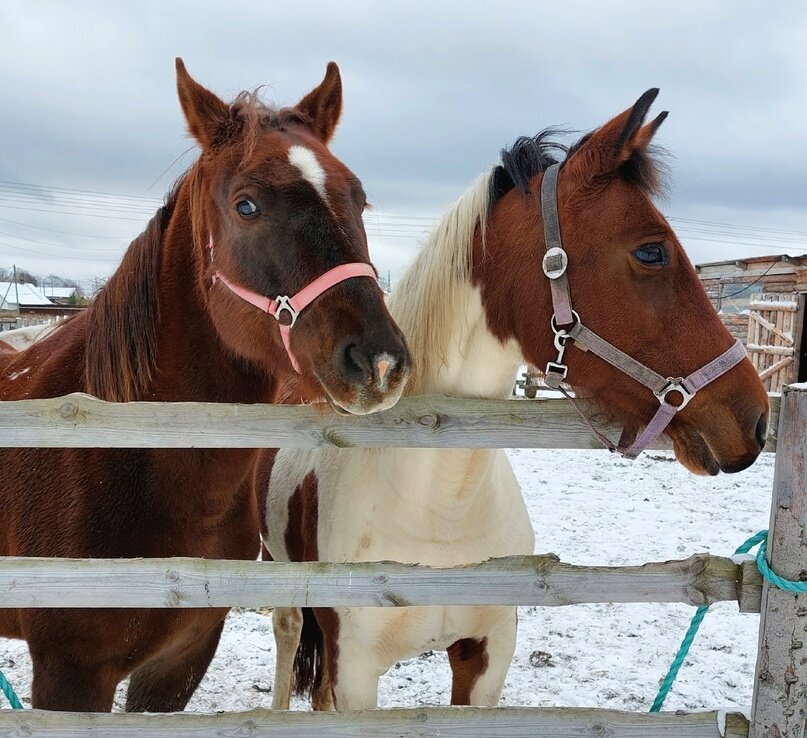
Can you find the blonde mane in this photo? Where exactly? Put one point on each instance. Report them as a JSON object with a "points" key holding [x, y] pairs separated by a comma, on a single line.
{"points": [[427, 302]]}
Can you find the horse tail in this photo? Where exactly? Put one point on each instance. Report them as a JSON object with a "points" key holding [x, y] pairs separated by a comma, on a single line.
{"points": [[308, 659]]}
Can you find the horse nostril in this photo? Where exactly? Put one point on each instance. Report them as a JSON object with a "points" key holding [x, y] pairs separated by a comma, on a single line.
{"points": [[355, 363], [762, 430]]}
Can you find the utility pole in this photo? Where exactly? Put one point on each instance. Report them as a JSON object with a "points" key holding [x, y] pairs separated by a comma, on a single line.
{"points": [[16, 289]]}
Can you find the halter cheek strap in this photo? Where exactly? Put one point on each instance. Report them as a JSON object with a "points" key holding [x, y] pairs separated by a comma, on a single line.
{"points": [[555, 263], [295, 304]]}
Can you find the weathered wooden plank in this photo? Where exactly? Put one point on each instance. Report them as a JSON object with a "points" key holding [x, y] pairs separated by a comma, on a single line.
{"points": [[446, 722], [750, 594], [430, 421], [780, 332], [780, 689], [515, 580], [766, 350], [774, 368]]}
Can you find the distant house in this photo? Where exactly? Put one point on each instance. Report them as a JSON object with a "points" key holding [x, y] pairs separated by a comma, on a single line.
{"points": [[60, 295], [761, 300], [20, 297], [27, 300]]}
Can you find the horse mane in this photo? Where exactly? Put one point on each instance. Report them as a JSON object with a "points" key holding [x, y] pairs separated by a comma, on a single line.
{"points": [[531, 155], [120, 352], [427, 300]]}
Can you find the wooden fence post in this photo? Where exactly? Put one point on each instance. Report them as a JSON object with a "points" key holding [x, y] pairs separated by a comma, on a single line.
{"points": [[780, 688]]}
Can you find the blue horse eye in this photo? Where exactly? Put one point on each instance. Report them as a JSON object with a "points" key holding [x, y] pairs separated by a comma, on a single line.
{"points": [[246, 208], [652, 254]]}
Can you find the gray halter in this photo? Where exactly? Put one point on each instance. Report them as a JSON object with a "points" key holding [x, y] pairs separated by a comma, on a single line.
{"points": [[555, 263]]}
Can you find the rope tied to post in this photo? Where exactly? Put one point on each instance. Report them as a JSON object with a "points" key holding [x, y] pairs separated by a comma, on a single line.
{"points": [[761, 540], [9, 692]]}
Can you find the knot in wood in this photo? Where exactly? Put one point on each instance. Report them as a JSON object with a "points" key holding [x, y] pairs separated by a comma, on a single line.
{"points": [[430, 420], [380, 579], [68, 410], [248, 727]]}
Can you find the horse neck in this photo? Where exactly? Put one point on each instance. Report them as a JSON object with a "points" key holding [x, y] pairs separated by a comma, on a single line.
{"points": [[467, 361], [441, 313], [192, 362], [475, 363], [200, 366]]}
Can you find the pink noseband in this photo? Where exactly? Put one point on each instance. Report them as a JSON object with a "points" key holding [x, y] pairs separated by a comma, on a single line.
{"points": [[297, 303]]}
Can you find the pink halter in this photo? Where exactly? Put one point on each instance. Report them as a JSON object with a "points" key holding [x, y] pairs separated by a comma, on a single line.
{"points": [[295, 304]]}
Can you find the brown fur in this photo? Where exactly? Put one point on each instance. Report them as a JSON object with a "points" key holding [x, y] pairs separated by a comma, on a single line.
{"points": [[161, 331], [468, 659]]}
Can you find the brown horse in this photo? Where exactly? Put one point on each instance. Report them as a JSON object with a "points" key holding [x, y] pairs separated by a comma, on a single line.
{"points": [[476, 305], [266, 210]]}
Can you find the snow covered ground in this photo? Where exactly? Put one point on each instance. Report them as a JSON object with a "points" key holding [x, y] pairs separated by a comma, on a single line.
{"points": [[589, 508]]}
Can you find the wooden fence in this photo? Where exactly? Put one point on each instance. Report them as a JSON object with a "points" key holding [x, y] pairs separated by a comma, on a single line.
{"points": [[780, 702]]}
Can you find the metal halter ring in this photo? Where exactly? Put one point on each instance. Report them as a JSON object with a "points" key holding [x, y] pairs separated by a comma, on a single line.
{"points": [[554, 323], [284, 303], [675, 385]]}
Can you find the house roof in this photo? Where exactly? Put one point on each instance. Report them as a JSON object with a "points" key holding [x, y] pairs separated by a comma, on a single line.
{"points": [[800, 260], [60, 292], [29, 295]]}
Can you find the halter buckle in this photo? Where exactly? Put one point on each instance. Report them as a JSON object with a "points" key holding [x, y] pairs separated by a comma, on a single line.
{"points": [[284, 303], [555, 262], [555, 373], [675, 384]]}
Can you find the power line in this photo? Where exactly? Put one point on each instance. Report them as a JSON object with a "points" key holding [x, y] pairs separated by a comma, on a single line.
{"points": [[65, 233]]}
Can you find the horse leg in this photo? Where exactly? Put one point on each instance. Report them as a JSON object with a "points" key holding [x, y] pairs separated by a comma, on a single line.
{"points": [[287, 626], [322, 695], [479, 666], [167, 682], [65, 683], [355, 685]]}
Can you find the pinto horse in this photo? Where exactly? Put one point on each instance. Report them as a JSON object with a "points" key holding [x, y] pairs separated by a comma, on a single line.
{"points": [[475, 306], [266, 210]]}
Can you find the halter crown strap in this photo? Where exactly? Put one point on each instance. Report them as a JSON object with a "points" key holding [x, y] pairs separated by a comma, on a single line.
{"points": [[554, 265], [555, 260], [295, 304]]}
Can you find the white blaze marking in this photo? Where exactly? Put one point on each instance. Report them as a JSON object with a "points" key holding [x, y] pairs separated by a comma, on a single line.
{"points": [[312, 171]]}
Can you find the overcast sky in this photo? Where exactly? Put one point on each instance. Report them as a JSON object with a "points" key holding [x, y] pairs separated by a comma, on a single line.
{"points": [[433, 91]]}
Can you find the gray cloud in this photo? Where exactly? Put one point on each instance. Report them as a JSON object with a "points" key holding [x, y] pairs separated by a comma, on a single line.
{"points": [[432, 92]]}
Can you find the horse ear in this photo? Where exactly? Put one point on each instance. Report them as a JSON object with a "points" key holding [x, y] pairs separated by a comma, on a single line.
{"points": [[205, 113], [607, 148], [323, 105]]}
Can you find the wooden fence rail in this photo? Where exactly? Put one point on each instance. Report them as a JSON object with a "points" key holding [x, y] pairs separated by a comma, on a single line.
{"points": [[515, 580], [455, 722], [429, 421], [83, 421]]}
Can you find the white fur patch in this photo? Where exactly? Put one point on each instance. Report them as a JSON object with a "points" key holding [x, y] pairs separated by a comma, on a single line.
{"points": [[306, 161]]}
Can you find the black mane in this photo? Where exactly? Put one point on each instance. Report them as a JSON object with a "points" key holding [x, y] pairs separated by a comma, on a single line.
{"points": [[529, 156]]}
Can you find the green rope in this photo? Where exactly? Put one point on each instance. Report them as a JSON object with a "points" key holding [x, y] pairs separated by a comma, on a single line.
{"points": [[10, 694], [788, 585]]}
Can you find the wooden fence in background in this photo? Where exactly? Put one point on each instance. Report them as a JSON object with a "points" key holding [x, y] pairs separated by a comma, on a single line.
{"points": [[780, 708]]}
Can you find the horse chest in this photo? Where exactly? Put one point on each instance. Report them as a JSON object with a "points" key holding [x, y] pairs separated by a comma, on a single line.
{"points": [[392, 635], [397, 512]]}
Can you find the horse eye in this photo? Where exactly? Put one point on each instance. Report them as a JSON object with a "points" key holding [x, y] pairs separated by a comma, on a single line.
{"points": [[652, 254], [246, 208]]}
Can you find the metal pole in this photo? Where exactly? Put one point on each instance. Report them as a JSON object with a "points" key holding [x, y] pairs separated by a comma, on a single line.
{"points": [[16, 289]]}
